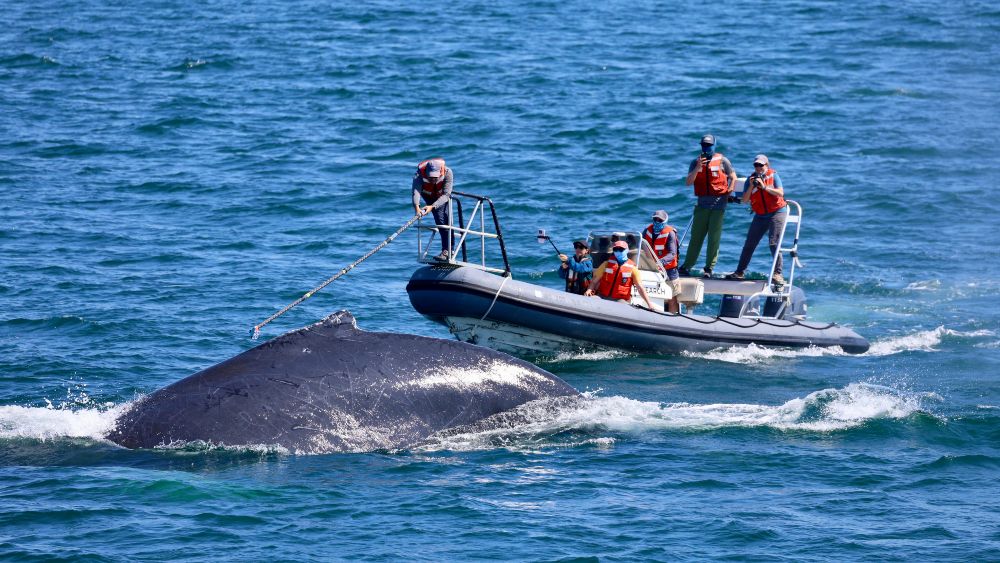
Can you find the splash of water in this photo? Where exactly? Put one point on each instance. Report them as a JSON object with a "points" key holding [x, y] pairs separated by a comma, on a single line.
{"points": [[597, 355], [538, 422], [49, 423], [826, 410], [923, 341]]}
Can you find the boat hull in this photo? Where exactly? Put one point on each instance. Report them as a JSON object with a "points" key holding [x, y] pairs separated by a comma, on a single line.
{"points": [[447, 293]]}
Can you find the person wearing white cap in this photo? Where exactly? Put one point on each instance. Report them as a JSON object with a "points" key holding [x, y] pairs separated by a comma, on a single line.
{"points": [[432, 184], [662, 238], [714, 179], [767, 198], [615, 278]]}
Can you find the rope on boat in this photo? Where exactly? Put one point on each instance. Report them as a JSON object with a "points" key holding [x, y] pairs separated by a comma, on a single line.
{"points": [[472, 333], [713, 320], [255, 331]]}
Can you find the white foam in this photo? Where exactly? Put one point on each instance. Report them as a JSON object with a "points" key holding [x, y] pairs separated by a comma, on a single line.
{"points": [[754, 354], [924, 285], [826, 410], [598, 355], [923, 341], [47, 423], [493, 372]]}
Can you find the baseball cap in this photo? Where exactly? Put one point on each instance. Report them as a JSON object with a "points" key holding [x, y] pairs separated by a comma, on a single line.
{"points": [[708, 139], [660, 214], [760, 158], [580, 244], [620, 244], [433, 169]]}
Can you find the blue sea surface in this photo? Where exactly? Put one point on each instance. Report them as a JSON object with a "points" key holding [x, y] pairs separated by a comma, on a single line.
{"points": [[174, 172]]}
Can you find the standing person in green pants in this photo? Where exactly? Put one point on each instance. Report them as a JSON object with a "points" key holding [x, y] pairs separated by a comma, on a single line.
{"points": [[714, 179]]}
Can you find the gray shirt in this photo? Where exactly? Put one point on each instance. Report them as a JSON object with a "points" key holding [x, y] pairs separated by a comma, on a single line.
{"points": [[714, 202], [418, 184]]}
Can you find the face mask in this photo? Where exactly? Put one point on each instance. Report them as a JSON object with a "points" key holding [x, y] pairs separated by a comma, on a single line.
{"points": [[621, 255], [708, 150], [657, 227]]}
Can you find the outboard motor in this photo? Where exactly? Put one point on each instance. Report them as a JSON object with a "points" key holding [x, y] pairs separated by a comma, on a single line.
{"points": [[797, 308], [772, 306], [732, 305]]}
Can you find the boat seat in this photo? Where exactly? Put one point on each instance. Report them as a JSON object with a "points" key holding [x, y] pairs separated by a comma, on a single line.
{"points": [[692, 292], [732, 287]]}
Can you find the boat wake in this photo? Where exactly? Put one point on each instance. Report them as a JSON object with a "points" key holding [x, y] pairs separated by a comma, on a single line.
{"points": [[923, 341]]}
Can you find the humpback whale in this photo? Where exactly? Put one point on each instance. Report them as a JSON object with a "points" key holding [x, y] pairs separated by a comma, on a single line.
{"points": [[331, 387]]}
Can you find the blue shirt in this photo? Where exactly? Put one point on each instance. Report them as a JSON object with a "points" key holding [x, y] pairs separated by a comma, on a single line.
{"points": [[584, 270]]}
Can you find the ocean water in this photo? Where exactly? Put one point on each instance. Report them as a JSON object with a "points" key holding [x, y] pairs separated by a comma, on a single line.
{"points": [[175, 172]]}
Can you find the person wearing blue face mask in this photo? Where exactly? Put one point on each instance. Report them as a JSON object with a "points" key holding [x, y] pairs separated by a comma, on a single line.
{"points": [[615, 278], [662, 238], [714, 179], [579, 270]]}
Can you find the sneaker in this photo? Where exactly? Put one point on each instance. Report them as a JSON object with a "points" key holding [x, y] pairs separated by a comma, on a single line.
{"points": [[706, 273], [778, 279], [735, 276], [443, 257], [684, 272]]}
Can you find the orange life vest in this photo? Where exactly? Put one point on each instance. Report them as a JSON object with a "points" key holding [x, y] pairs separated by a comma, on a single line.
{"points": [[712, 179], [432, 190], [763, 202], [617, 281], [659, 243]]}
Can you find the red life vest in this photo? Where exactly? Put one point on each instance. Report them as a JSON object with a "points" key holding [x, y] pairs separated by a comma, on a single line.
{"points": [[763, 202], [432, 190], [617, 281], [712, 179], [659, 243]]}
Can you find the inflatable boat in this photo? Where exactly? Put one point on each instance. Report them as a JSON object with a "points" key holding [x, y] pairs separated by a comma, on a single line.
{"points": [[485, 305]]}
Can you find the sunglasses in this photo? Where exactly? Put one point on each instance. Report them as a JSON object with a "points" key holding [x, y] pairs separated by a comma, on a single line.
{"points": [[756, 164], [657, 220]]}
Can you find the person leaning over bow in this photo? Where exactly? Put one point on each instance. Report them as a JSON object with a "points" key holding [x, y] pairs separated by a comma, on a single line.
{"points": [[432, 185], [767, 199], [579, 270], [714, 179], [662, 238], [615, 278]]}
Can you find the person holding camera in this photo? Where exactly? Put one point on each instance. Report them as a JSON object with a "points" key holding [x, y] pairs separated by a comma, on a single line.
{"points": [[767, 199], [714, 180], [578, 269]]}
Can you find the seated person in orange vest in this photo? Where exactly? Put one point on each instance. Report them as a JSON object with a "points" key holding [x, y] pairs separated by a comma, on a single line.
{"points": [[663, 240], [615, 278], [767, 199], [432, 183], [579, 270]]}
